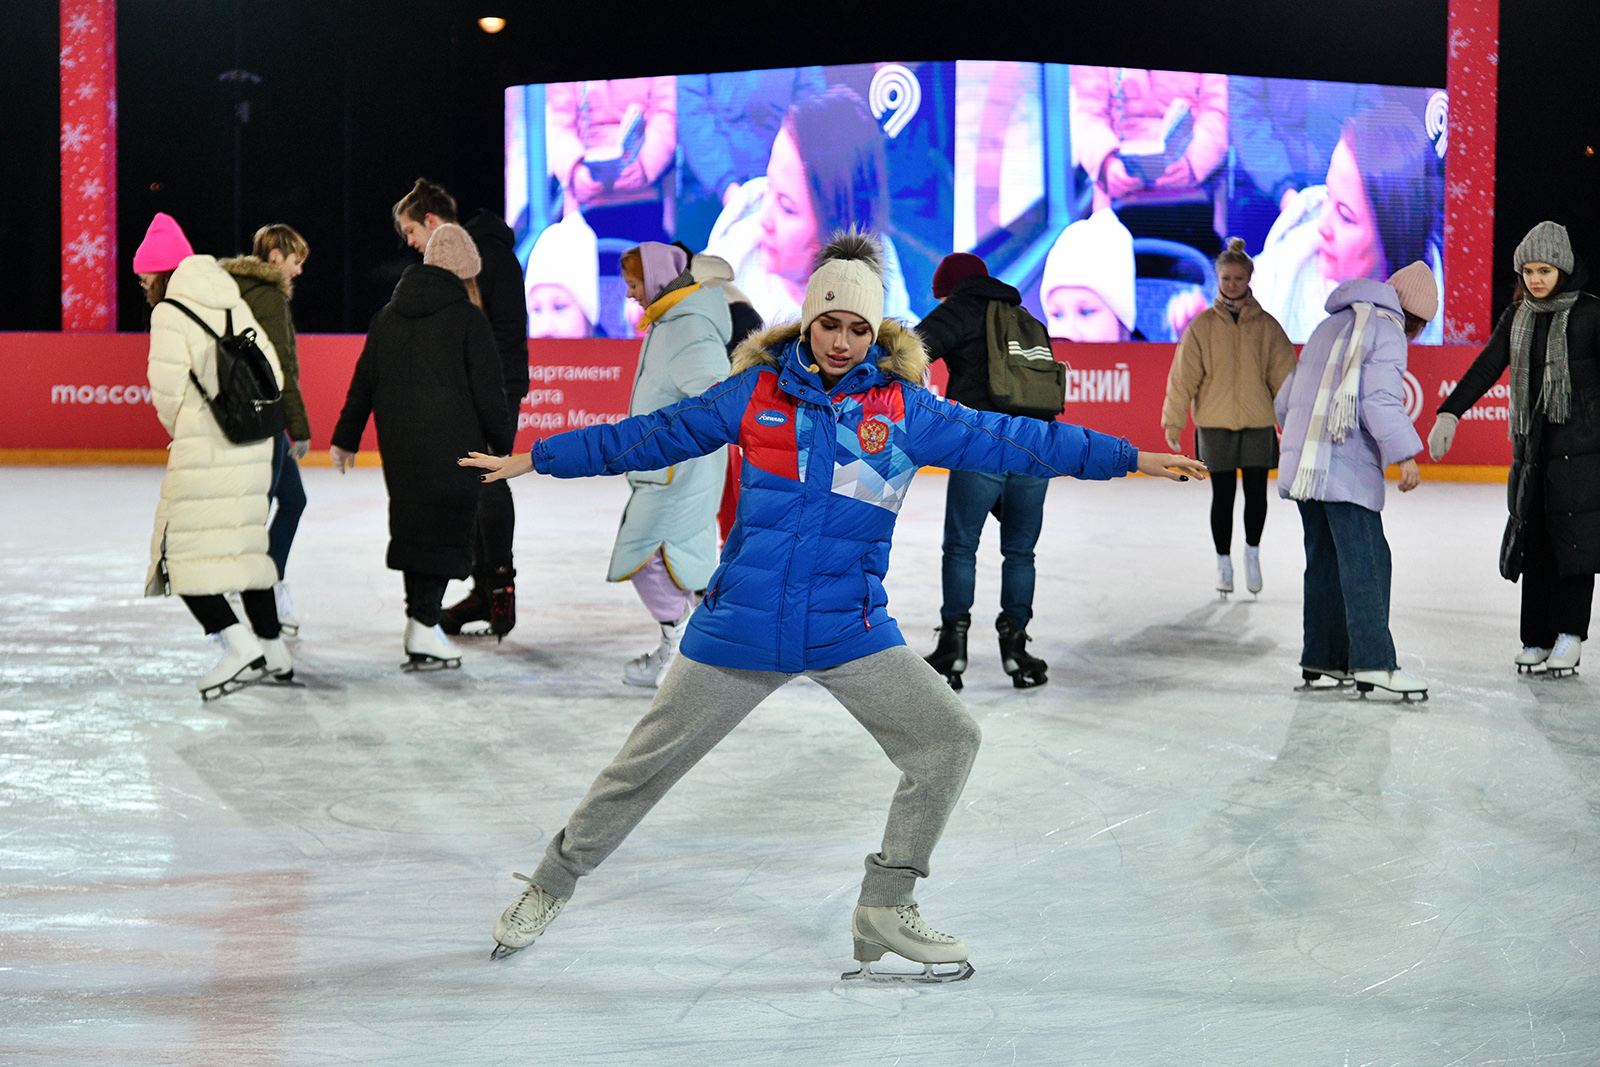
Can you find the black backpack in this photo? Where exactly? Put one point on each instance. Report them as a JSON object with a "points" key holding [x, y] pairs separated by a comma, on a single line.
{"points": [[1024, 376], [248, 406]]}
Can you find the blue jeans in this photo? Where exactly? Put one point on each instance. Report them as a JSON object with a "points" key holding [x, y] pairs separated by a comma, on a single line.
{"points": [[291, 496], [1347, 588], [967, 504]]}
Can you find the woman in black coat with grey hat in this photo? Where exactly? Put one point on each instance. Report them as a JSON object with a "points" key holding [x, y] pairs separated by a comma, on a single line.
{"points": [[1549, 338], [431, 375]]}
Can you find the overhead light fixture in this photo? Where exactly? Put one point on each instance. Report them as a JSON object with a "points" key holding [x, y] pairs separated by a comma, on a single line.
{"points": [[491, 24]]}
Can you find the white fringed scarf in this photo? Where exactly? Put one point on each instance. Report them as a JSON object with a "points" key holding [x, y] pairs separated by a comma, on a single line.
{"points": [[1334, 413]]}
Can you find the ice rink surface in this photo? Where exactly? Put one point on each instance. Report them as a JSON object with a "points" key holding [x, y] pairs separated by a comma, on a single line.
{"points": [[1164, 856]]}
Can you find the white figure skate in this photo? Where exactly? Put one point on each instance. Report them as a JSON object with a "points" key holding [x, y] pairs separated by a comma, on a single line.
{"points": [[525, 920], [1564, 656], [647, 670], [1396, 681], [243, 661], [285, 603], [1530, 657], [427, 649], [280, 665], [1224, 575], [1252, 568], [901, 930]]}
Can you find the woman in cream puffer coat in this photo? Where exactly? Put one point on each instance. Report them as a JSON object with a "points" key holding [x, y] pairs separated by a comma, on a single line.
{"points": [[210, 534]]}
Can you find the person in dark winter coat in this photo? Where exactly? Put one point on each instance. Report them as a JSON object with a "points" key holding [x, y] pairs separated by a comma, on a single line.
{"points": [[430, 376], [955, 332], [834, 424], [1549, 338], [266, 281], [419, 213]]}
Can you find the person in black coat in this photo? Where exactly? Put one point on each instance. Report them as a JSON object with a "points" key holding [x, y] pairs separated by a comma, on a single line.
{"points": [[493, 598], [430, 375], [1549, 338], [956, 332]]}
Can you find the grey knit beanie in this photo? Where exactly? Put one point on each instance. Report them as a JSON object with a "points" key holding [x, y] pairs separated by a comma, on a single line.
{"points": [[1545, 243]]}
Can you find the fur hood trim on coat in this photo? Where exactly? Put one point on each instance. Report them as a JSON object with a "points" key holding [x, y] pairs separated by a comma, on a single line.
{"points": [[260, 269], [903, 354]]}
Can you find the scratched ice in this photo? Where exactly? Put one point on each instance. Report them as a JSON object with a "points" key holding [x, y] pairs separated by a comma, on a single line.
{"points": [[1164, 856]]}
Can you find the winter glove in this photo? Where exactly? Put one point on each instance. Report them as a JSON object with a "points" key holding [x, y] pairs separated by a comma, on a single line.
{"points": [[298, 449], [1443, 432]]}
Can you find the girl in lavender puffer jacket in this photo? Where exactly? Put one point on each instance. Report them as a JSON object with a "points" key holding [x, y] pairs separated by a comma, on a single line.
{"points": [[1344, 421]]}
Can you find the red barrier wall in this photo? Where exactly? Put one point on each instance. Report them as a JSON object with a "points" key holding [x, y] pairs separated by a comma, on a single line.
{"points": [[88, 391]]}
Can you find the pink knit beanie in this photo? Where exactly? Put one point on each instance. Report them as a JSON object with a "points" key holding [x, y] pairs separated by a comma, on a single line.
{"points": [[452, 248], [1419, 293], [163, 248]]}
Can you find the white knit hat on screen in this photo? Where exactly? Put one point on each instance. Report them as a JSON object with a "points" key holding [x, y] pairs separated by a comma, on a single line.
{"points": [[1095, 253], [565, 254]]}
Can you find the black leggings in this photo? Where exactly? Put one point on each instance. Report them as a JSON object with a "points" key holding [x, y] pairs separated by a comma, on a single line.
{"points": [[1255, 507], [214, 613]]}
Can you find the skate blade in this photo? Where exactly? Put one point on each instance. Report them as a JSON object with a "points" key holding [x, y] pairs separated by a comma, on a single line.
{"points": [[926, 976], [288, 629], [1418, 696], [232, 685], [502, 951], [419, 662], [283, 680], [1023, 680]]}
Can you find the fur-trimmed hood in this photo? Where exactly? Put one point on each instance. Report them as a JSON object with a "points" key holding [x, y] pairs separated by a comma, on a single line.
{"points": [[259, 269], [901, 352]]}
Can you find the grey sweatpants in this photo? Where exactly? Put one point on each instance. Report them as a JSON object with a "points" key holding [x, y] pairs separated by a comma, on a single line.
{"points": [[908, 708]]}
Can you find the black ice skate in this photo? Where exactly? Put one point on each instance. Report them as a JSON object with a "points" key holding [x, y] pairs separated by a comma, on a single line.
{"points": [[1312, 675], [1026, 671], [950, 657], [474, 607], [900, 930], [502, 603]]}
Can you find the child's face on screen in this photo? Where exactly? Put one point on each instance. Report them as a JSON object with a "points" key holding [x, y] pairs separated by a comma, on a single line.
{"points": [[1074, 313], [788, 220], [553, 313], [1351, 247]]}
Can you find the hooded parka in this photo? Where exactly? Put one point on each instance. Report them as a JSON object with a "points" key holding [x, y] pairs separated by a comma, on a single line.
{"points": [[800, 585], [1556, 465], [267, 291], [430, 375], [211, 525]]}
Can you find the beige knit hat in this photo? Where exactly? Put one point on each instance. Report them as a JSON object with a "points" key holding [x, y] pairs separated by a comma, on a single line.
{"points": [[1419, 292], [1095, 253], [452, 248], [849, 277]]}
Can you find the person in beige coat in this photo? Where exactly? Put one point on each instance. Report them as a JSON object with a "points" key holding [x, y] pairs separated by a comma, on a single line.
{"points": [[210, 535], [1228, 367]]}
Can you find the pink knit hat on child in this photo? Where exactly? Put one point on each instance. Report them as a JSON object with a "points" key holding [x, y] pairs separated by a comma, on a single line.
{"points": [[1419, 293], [163, 248]]}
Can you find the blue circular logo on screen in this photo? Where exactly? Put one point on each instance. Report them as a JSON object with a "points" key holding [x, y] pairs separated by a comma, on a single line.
{"points": [[770, 417]]}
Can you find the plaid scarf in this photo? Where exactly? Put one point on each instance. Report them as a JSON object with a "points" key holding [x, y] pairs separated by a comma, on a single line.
{"points": [[1555, 396], [1334, 412]]}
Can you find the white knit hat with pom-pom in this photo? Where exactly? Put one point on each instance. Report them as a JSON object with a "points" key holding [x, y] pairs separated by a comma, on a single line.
{"points": [[849, 277]]}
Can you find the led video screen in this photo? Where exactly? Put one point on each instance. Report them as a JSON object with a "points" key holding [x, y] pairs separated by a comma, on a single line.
{"points": [[1102, 193]]}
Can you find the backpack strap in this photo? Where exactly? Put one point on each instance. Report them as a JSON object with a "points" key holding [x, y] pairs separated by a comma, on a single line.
{"points": [[201, 322]]}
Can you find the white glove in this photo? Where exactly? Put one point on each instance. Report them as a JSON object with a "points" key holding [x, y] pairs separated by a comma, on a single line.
{"points": [[342, 460], [298, 449], [1443, 432]]}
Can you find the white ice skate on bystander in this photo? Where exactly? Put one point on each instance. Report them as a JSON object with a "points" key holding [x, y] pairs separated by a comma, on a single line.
{"points": [[525, 920], [1252, 568], [1530, 657], [280, 665], [901, 930], [243, 661], [648, 670], [1395, 681], [1565, 655], [1224, 575], [427, 649], [286, 617]]}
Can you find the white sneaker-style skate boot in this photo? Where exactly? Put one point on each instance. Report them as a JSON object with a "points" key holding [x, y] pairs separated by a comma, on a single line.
{"points": [[1530, 657], [1564, 655], [427, 649], [1224, 575], [901, 930], [1395, 681], [648, 670], [1252, 568], [280, 665], [525, 920], [286, 620], [243, 661]]}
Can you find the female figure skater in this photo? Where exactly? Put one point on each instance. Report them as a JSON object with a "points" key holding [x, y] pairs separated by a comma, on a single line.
{"points": [[833, 423]]}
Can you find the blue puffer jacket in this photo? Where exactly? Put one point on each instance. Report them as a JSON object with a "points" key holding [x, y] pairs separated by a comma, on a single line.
{"points": [[800, 585]]}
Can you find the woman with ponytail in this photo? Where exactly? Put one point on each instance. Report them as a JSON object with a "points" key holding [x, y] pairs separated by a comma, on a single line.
{"points": [[1229, 366], [1549, 338], [833, 422]]}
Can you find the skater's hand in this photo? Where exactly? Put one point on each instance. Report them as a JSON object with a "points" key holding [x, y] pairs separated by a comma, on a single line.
{"points": [[298, 449], [1443, 432], [342, 460], [499, 467], [1410, 476], [1166, 465], [1172, 441]]}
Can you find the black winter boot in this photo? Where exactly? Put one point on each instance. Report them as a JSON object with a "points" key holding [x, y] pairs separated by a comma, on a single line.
{"points": [[502, 602], [474, 607], [1026, 671], [950, 658]]}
